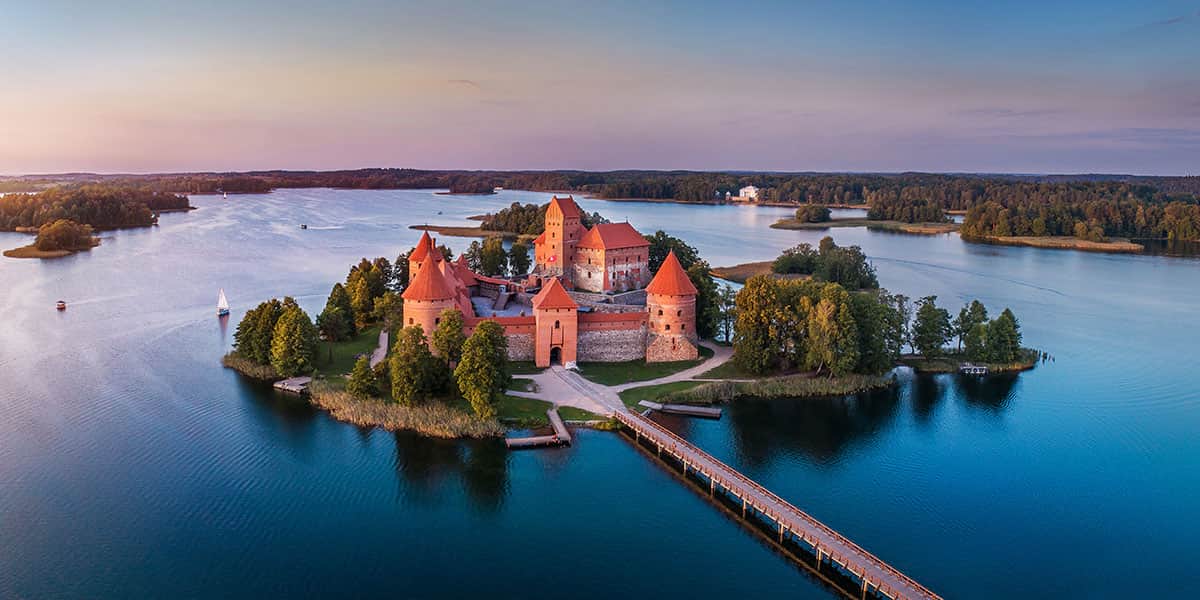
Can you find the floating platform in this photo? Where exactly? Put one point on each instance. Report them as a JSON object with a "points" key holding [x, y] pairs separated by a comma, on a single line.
{"points": [[973, 369], [561, 436], [294, 385], [683, 409]]}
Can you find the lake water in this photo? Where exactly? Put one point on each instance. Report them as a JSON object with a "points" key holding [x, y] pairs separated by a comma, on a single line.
{"points": [[133, 465]]}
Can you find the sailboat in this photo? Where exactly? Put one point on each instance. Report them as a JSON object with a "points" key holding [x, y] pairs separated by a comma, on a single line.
{"points": [[222, 304]]}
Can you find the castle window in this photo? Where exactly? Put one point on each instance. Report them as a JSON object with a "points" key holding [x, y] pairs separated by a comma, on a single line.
{"points": [[410, 321], [437, 320], [668, 326], [556, 324], [660, 312], [553, 234], [589, 274], [679, 313], [683, 326]]}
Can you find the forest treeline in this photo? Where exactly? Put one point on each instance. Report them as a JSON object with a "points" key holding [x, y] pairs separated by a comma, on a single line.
{"points": [[102, 206]]}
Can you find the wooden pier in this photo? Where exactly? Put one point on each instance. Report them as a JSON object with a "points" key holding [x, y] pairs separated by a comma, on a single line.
{"points": [[683, 409], [972, 369], [560, 437], [294, 385], [790, 524]]}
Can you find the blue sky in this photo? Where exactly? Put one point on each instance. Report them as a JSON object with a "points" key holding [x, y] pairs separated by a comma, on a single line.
{"points": [[866, 86]]}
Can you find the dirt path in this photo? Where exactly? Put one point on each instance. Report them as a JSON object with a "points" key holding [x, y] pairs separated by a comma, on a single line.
{"points": [[380, 352]]}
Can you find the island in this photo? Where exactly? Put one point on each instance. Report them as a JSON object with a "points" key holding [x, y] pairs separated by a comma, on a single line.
{"points": [[57, 239]]}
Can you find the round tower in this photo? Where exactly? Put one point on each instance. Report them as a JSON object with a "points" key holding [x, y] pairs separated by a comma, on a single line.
{"points": [[427, 295], [671, 310]]}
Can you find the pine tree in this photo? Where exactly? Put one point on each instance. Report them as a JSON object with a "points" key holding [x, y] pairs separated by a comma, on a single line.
{"points": [[976, 342], [931, 329], [294, 344], [362, 382], [483, 375], [448, 336], [968, 317], [1004, 338], [360, 298], [493, 260], [340, 298], [518, 258], [334, 325]]}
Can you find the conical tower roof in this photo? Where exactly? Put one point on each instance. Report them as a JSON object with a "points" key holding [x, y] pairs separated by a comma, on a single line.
{"points": [[671, 279], [429, 284], [553, 295], [424, 247]]}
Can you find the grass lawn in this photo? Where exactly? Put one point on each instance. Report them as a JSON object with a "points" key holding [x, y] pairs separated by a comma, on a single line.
{"points": [[337, 358], [522, 384], [637, 370], [632, 396], [570, 413], [525, 411], [726, 371]]}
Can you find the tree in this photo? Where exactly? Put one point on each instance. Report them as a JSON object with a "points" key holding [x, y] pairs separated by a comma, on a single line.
{"points": [[813, 213], [708, 308], [518, 258], [388, 308], [661, 244], [931, 330], [753, 337], [361, 300], [970, 316], [416, 374], [362, 383], [334, 325], [252, 339], [64, 234], [493, 260], [383, 269], [1004, 338], [294, 344], [727, 301], [474, 255], [482, 374], [340, 298], [400, 272], [976, 342], [448, 336]]}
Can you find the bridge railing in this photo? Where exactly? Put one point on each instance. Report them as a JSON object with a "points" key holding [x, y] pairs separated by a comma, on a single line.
{"points": [[641, 424]]}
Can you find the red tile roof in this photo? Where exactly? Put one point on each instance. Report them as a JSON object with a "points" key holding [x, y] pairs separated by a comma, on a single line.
{"points": [[429, 284], [553, 295], [424, 246], [541, 239], [608, 236], [565, 206], [464, 272], [671, 279]]}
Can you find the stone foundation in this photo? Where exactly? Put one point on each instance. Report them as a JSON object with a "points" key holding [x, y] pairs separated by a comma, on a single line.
{"points": [[670, 348], [615, 345], [520, 346]]}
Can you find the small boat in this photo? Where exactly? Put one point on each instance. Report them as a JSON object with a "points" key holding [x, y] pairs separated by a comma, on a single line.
{"points": [[303, 226], [224, 196], [60, 305], [222, 304]]}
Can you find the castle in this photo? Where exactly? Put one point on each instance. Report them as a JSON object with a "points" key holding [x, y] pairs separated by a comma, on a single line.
{"points": [[589, 298]]}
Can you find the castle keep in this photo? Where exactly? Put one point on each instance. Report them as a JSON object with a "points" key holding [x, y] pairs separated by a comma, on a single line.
{"points": [[589, 298]]}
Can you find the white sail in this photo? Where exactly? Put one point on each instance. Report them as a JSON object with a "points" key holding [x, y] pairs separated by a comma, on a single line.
{"points": [[222, 303]]}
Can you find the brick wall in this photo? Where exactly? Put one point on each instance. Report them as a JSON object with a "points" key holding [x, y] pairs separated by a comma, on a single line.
{"points": [[612, 345], [670, 348], [520, 346]]}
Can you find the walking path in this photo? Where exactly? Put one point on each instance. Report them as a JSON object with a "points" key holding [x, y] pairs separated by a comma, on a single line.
{"points": [[380, 352]]}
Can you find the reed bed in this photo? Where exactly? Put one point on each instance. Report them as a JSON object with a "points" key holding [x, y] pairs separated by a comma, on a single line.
{"points": [[434, 419], [249, 368], [794, 386]]}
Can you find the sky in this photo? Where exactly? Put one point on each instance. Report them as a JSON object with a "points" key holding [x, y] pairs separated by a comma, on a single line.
{"points": [[946, 86]]}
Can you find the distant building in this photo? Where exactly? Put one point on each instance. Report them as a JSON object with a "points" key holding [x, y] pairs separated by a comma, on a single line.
{"points": [[749, 193]]}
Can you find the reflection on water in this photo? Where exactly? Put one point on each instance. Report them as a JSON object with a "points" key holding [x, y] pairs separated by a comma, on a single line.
{"points": [[428, 467]]}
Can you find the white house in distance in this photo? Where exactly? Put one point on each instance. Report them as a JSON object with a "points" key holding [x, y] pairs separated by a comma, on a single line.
{"points": [[746, 194]]}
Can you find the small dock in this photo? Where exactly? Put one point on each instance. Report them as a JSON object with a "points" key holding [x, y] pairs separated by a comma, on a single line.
{"points": [[972, 369], [560, 437], [294, 385], [683, 409]]}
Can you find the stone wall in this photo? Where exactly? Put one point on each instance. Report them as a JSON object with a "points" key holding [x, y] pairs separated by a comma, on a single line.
{"points": [[670, 348], [617, 345], [520, 346]]}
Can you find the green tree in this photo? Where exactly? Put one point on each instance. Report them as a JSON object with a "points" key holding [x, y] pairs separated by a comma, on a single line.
{"points": [[708, 307], [661, 244], [400, 272], [1004, 338], [361, 301], [976, 342], [388, 308], [294, 344], [483, 375], [340, 298], [727, 300], [518, 258], [754, 350], [474, 255], [968, 317], [813, 213], [871, 320], [252, 339], [448, 336], [362, 383], [493, 260], [334, 325], [931, 330], [416, 374]]}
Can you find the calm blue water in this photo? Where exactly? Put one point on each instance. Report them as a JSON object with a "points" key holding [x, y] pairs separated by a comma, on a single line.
{"points": [[132, 465]]}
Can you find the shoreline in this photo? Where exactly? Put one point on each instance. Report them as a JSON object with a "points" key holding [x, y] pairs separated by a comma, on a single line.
{"points": [[31, 251], [894, 226], [1115, 246], [951, 362], [468, 231]]}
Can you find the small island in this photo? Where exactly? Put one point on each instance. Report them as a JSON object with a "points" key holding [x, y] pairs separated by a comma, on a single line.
{"points": [[56, 240]]}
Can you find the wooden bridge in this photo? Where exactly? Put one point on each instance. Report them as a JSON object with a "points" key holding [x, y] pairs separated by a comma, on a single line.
{"points": [[793, 525]]}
